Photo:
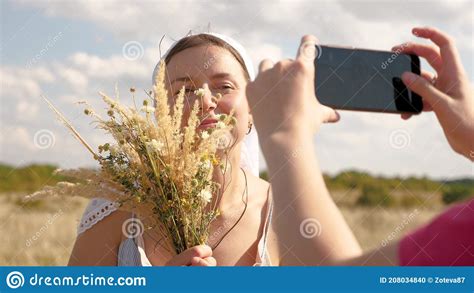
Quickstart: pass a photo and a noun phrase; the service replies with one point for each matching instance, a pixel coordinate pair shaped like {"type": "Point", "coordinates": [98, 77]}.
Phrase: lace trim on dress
{"type": "Point", "coordinates": [96, 210]}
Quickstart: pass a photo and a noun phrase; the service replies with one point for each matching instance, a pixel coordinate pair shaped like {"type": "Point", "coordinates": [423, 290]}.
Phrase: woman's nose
{"type": "Point", "coordinates": [208, 101]}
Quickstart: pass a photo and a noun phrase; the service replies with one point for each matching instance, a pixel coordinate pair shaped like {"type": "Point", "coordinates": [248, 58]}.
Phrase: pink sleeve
{"type": "Point", "coordinates": [447, 241]}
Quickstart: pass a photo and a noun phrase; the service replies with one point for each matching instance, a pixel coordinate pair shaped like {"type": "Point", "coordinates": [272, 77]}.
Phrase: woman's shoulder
{"type": "Point", "coordinates": [99, 244]}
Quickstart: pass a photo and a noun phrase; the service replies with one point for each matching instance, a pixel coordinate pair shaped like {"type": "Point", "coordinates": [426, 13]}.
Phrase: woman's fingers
{"type": "Point", "coordinates": [426, 90]}
{"type": "Point", "coordinates": [307, 49]}
{"type": "Point", "coordinates": [264, 65]}
{"type": "Point", "coordinates": [211, 261]}
{"type": "Point", "coordinates": [429, 52]}
{"type": "Point", "coordinates": [329, 114]}
{"type": "Point", "coordinates": [448, 50]}
{"type": "Point", "coordinates": [427, 75]}
{"type": "Point", "coordinates": [406, 116]}
{"type": "Point", "coordinates": [203, 262]}
{"type": "Point", "coordinates": [187, 257]}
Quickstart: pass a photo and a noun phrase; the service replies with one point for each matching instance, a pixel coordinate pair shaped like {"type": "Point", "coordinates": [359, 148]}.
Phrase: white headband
{"type": "Point", "coordinates": [231, 42]}
{"type": "Point", "coordinates": [249, 157]}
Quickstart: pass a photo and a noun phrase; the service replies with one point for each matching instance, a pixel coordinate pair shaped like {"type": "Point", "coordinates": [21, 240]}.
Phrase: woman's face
{"type": "Point", "coordinates": [215, 70]}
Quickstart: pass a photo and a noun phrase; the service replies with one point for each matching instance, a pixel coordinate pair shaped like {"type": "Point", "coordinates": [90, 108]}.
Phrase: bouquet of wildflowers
{"type": "Point", "coordinates": [158, 166]}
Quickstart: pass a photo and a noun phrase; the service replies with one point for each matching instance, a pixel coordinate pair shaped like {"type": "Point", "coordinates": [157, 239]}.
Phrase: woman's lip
{"type": "Point", "coordinates": [208, 121]}
{"type": "Point", "coordinates": [205, 126]}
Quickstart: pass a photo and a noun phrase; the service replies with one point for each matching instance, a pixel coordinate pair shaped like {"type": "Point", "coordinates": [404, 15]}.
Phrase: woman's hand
{"type": "Point", "coordinates": [449, 95]}
{"type": "Point", "coordinates": [282, 97]}
{"type": "Point", "coordinates": [197, 256]}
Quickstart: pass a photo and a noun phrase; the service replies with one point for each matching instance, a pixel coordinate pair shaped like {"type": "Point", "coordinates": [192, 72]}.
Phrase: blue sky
{"type": "Point", "coordinates": [70, 50]}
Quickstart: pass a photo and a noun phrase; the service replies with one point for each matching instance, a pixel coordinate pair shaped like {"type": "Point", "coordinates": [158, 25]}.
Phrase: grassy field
{"type": "Point", "coordinates": [43, 232]}
{"type": "Point", "coordinates": [377, 208]}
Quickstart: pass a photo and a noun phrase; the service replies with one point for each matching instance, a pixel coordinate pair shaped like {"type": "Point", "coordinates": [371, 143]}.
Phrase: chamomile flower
{"type": "Point", "coordinates": [205, 195]}
{"type": "Point", "coordinates": [205, 135]}
{"type": "Point", "coordinates": [206, 164]}
{"type": "Point", "coordinates": [154, 145]}
{"type": "Point", "coordinates": [147, 109]}
{"type": "Point", "coordinates": [200, 92]}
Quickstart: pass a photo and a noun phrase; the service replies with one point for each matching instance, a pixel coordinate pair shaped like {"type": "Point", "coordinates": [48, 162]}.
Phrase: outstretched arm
{"type": "Point", "coordinates": [309, 228]}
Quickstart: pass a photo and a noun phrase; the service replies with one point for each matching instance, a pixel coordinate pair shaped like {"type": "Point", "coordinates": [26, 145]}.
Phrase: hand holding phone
{"type": "Point", "coordinates": [450, 94]}
{"type": "Point", "coordinates": [282, 99]}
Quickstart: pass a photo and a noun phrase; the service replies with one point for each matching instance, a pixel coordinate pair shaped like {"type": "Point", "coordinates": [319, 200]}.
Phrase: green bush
{"type": "Point", "coordinates": [408, 201]}
{"type": "Point", "coordinates": [28, 178]}
{"type": "Point", "coordinates": [374, 195]}
{"type": "Point", "coordinates": [456, 193]}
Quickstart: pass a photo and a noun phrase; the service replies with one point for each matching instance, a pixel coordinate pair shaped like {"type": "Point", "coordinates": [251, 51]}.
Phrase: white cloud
{"type": "Point", "coordinates": [268, 30]}
{"type": "Point", "coordinates": [75, 78]}
{"type": "Point", "coordinates": [270, 51]}
{"type": "Point", "coordinates": [112, 67]}
{"type": "Point", "coordinates": [16, 137]}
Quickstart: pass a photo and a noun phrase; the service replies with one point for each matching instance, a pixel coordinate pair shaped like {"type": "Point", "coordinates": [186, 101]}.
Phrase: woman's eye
{"type": "Point", "coordinates": [186, 91]}
{"type": "Point", "coordinates": [226, 86]}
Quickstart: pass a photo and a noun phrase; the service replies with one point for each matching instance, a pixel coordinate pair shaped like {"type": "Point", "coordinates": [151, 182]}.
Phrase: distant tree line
{"type": "Point", "coordinates": [372, 190]}
{"type": "Point", "coordinates": [379, 190]}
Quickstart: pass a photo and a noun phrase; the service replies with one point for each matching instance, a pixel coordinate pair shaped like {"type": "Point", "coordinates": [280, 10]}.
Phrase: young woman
{"type": "Point", "coordinates": [242, 234]}
{"type": "Point", "coordinates": [288, 149]}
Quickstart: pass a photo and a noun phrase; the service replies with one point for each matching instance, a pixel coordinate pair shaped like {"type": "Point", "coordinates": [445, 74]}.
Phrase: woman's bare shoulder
{"type": "Point", "coordinates": [98, 245]}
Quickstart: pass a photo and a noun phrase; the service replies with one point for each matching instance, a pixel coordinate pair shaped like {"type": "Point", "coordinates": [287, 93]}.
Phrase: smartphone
{"type": "Point", "coordinates": [365, 80]}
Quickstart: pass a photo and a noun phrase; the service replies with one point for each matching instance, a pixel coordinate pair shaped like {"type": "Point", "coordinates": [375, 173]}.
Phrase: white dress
{"type": "Point", "coordinates": [132, 250]}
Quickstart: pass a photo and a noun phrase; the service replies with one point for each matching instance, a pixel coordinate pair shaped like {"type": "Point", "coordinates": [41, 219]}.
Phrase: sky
{"type": "Point", "coordinates": [69, 50]}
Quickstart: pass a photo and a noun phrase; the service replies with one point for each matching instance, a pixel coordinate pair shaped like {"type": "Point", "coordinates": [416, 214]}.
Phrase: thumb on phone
{"type": "Point", "coordinates": [329, 114]}
{"type": "Point", "coordinates": [437, 99]}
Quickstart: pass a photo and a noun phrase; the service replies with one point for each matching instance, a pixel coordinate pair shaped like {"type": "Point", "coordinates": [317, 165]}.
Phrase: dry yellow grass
{"type": "Point", "coordinates": [43, 233]}
{"type": "Point", "coordinates": [40, 233]}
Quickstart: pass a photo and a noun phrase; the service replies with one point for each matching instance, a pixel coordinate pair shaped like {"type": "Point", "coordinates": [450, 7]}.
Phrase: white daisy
{"type": "Point", "coordinates": [205, 195]}
{"type": "Point", "coordinates": [154, 145]}
{"type": "Point", "coordinates": [147, 109]}
{"type": "Point", "coordinates": [205, 135]}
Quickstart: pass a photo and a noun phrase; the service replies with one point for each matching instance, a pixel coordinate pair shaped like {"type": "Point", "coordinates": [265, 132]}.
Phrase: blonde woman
{"type": "Point", "coordinates": [249, 230]}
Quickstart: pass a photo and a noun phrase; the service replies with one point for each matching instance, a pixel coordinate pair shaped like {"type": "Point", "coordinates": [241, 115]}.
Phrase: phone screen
{"type": "Point", "coordinates": [357, 79]}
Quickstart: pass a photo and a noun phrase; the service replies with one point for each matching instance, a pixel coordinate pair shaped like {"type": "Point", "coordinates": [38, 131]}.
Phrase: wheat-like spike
{"type": "Point", "coordinates": [160, 98]}
{"type": "Point", "coordinates": [68, 124]}
{"type": "Point", "coordinates": [178, 110]}
{"type": "Point", "coordinates": [190, 129]}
